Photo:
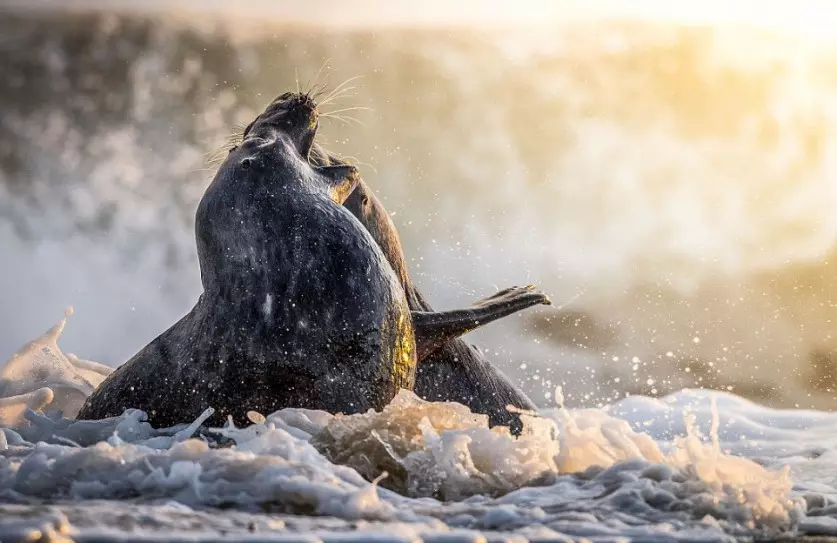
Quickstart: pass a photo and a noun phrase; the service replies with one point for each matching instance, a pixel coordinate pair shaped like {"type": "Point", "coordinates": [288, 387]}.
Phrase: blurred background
{"type": "Point", "coordinates": [666, 171]}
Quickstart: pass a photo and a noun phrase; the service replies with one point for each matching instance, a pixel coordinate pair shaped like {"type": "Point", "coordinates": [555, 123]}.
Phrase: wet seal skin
{"type": "Point", "coordinates": [450, 369]}
{"type": "Point", "coordinates": [300, 306]}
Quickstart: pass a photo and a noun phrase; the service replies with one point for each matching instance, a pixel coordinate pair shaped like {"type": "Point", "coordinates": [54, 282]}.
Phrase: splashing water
{"type": "Point", "coordinates": [639, 468]}
{"type": "Point", "coordinates": [40, 374]}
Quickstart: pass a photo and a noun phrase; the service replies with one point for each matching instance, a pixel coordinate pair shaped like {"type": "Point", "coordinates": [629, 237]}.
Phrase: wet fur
{"type": "Point", "coordinates": [300, 307]}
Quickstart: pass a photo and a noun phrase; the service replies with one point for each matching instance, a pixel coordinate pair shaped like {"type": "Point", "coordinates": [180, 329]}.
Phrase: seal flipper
{"type": "Point", "coordinates": [434, 329]}
{"type": "Point", "coordinates": [342, 180]}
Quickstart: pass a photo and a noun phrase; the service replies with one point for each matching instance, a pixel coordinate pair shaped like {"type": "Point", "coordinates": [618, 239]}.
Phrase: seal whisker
{"type": "Point", "coordinates": [344, 119]}
{"type": "Point", "coordinates": [335, 117]}
{"type": "Point", "coordinates": [312, 82]}
{"type": "Point", "coordinates": [214, 158]}
{"type": "Point", "coordinates": [196, 170]}
{"type": "Point", "coordinates": [350, 118]}
{"type": "Point", "coordinates": [316, 76]}
{"type": "Point", "coordinates": [343, 84]}
{"type": "Point", "coordinates": [342, 93]}
{"type": "Point", "coordinates": [355, 120]}
{"type": "Point", "coordinates": [334, 99]}
{"type": "Point", "coordinates": [320, 90]}
{"type": "Point", "coordinates": [354, 108]}
{"type": "Point", "coordinates": [339, 94]}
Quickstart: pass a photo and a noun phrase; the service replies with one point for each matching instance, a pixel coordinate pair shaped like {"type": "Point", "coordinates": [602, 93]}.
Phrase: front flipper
{"type": "Point", "coordinates": [341, 180]}
{"type": "Point", "coordinates": [434, 329]}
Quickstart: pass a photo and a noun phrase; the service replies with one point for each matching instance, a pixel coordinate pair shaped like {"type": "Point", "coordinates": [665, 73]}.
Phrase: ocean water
{"type": "Point", "coordinates": [670, 185]}
{"type": "Point", "coordinates": [696, 465]}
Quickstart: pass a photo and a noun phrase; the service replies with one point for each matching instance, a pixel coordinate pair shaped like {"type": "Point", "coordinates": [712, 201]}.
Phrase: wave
{"type": "Point", "coordinates": [628, 470]}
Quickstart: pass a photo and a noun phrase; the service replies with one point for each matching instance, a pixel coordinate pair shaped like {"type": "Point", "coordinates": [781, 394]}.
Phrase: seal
{"type": "Point", "coordinates": [300, 307]}
{"type": "Point", "coordinates": [450, 369]}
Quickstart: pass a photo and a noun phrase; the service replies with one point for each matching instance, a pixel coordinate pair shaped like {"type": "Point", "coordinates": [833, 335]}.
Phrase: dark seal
{"type": "Point", "coordinates": [450, 369]}
{"type": "Point", "coordinates": [300, 306]}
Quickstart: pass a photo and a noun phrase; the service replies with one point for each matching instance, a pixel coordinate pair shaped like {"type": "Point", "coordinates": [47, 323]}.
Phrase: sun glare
{"type": "Point", "coordinates": [813, 18]}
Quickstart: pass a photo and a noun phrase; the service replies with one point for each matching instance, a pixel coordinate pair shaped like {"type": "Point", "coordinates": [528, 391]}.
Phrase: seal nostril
{"type": "Point", "coordinates": [245, 163]}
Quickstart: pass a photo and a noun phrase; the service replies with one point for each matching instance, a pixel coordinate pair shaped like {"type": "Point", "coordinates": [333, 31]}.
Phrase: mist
{"type": "Point", "coordinates": [670, 186]}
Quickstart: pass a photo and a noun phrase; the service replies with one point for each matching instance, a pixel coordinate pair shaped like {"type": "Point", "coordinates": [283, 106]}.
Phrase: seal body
{"type": "Point", "coordinates": [453, 370]}
{"type": "Point", "coordinates": [300, 306]}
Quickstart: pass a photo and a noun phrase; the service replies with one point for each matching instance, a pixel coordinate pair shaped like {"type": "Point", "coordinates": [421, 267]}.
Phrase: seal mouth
{"type": "Point", "coordinates": [305, 122]}
{"type": "Point", "coordinates": [296, 115]}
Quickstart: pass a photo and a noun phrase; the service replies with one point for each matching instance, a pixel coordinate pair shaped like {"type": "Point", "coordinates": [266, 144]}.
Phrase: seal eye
{"type": "Point", "coordinates": [365, 201]}
{"type": "Point", "coordinates": [246, 163]}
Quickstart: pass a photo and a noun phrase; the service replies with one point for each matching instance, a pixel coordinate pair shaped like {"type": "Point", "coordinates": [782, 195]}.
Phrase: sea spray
{"type": "Point", "coordinates": [444, 466]}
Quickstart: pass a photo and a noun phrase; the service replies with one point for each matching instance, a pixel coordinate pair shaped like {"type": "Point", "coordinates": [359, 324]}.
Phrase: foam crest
{"type": "Point", "coordinates": [440, 449]}
{"type": "Point", "coordinates": [441, 466]}
{"type": "Point", "coordinates": [41, 375]}
{"type": "Point", "coordinates": [754, 494]}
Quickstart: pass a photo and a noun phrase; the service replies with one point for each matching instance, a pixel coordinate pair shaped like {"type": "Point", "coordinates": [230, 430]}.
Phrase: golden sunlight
{"type": "Point", "coordinates": [815, 18]}
{"type": "Point", "coordinates": [812, 18]}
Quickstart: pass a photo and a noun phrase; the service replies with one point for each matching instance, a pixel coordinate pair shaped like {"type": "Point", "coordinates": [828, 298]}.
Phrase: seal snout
{"type": "Point", "coordinates": [293, 114]}
{"type": "Point", "coordinates": [302, 116]}
{"type": "Point", "coordinates": [304, 111]}
{"type": "Point", "coordinates": [304, 100]}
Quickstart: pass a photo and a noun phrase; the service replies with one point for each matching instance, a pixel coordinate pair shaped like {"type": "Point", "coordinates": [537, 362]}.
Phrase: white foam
{"type": "Point", "coordinates": [639, 468]}
{"type": "Point", "coordinates": [40, 374]}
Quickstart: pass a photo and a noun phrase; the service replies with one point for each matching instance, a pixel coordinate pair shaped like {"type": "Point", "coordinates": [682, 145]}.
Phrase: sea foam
{"type": "Point", "coordinates": [697, 465]}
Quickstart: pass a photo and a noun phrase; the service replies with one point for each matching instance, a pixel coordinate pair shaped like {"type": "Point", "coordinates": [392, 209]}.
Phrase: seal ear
{"type": "Point", "coordinates": [342, 180]}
